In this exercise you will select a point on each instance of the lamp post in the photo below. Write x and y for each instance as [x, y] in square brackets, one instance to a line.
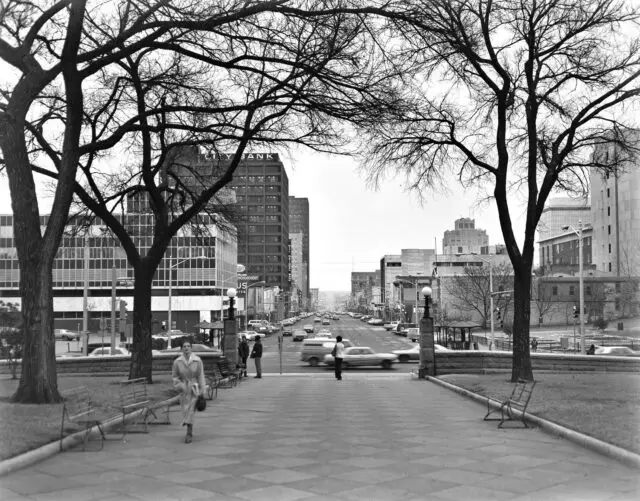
[427, 353]
[578, 232]
[230, 335]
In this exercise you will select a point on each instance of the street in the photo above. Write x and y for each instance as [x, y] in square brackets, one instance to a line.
[360, 333]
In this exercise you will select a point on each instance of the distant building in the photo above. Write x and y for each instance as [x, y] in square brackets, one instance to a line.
[615, 217]
[390, 268]
[299, 225]
[465, 238]
[559, 254]
[314, 294]
[362, 284]
[560, 212]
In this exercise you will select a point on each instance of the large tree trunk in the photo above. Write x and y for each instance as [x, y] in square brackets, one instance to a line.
[521, 366]
[141, 358]
[38, 381]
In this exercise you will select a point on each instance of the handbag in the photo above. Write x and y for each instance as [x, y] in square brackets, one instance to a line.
[334, 352]
[201, 403]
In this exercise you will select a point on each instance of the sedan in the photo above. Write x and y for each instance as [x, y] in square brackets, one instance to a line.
[108, 352]
[250, 335]
[361, 356]
[299, 335]
[413, 353]
[195, 348]
[617, 351]
[375, 321]
[308, 328]
[65, 335]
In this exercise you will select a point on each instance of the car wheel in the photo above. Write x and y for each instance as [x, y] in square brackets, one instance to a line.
[386, 364]
[404, 359]
[313, 362]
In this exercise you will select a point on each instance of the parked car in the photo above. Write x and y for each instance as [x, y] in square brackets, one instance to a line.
[308, 328]
[299, 335]
[65, 335]
[287, 331]
[360, 356]
[375, 321]
[251, 335]
[195, 348]
[617, 351]
[413, 353]
[108, 352]
[391, 326]
[317, 320]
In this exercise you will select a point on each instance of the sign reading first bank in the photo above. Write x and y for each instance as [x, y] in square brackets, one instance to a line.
[209, 155]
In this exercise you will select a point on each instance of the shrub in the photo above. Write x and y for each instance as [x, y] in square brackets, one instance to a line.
[600, 323]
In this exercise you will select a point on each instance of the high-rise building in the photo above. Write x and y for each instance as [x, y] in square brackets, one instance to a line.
[299, 232]
[262, 196]
[615, 217]
[465, 238]
[560, 212]
[390, 268]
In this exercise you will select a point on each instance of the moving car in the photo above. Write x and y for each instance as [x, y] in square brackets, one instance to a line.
[287, 331]
[413, 353]
[195, 348]
[313, 350]
[308, 328]
[251, 335]
[65, 335]
[360, 356]
[391, 326]
[299, 335]
[375, 321]
[317, 320]
[108, 352]
[617, 351]
[326, 321]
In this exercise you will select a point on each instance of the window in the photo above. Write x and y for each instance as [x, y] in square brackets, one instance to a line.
[617, 286]
[459, 250]
[572, 290]
[608, 211]
[554, 290]
[609, 248]
[588, 290]
[609, 231]
[608, 192]
[609, 266]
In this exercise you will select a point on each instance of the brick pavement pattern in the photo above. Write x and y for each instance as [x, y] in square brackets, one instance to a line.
[369, 437]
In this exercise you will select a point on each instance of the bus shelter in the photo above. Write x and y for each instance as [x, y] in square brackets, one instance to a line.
[455, 335]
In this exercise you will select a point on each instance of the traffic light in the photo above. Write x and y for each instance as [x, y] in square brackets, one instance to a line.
[164, 325]
[499, 317]
[575, 313]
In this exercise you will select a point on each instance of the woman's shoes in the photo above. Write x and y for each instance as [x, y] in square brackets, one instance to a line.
[189, 437]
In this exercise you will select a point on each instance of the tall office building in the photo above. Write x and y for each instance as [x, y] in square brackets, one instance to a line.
[465, 238]
[262, 196]
[390, 268]
[299, 232]
[560, 212]
[615, 217]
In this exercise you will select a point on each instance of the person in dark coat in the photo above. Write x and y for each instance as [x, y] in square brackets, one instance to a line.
[256, 354]
[243, 354]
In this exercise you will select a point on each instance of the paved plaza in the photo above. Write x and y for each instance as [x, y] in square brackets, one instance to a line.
[369, 437]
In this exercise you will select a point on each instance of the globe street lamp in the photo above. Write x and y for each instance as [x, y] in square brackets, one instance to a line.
[578, 232]
[230, 336]
[427, 354]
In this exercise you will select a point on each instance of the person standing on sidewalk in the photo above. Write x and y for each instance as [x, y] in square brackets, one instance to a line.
[337, 359]
[256, 354]
[243, 354]
[188, 379]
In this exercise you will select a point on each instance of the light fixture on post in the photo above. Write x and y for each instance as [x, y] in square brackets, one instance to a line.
[578, 232]
[427, 352]
[230, 335]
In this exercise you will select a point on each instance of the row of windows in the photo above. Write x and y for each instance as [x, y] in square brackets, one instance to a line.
[261, 239]
[264, 219]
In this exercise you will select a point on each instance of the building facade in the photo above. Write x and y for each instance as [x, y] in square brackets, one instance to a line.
[559, 254]
[560, 212]
[197, 269]
[465, 238]
[299, 225]
[615, 217]
[262, 199]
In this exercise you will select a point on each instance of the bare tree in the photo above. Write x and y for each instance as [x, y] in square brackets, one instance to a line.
[510, 95]
[177, 112]
[472, 292]
[541, 296]
[67, 59]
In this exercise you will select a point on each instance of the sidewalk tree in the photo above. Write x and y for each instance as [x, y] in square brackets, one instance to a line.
[174, 85]
[513, 96]
[471, 289]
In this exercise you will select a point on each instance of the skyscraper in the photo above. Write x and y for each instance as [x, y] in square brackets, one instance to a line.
[299, 234]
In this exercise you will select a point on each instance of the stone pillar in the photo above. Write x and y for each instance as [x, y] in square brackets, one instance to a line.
[231, 341]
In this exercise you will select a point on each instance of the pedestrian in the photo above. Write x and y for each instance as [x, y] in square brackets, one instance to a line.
[591, 350]
[188, 379]
[243, 354]
[256, 354]
[337, 358]
[534, 344]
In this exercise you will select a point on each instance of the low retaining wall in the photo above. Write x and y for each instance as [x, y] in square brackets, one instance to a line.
[479, 362]
[115, 365]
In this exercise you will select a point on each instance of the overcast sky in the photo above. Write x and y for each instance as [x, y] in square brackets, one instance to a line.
[352, 226]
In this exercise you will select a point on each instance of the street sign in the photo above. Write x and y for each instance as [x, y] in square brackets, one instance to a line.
[247, 278]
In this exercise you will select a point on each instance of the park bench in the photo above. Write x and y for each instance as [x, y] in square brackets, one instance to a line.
[134, 397]
[227, 371]
[215, 379]
[79, 409]
[519, 400]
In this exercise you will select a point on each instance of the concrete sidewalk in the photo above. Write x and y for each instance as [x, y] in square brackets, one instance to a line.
[369, 437]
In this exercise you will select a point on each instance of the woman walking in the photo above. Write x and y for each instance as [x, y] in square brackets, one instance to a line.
[188, 378]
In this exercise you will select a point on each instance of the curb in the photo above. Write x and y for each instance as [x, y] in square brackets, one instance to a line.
[51, 449]
[606, 449]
